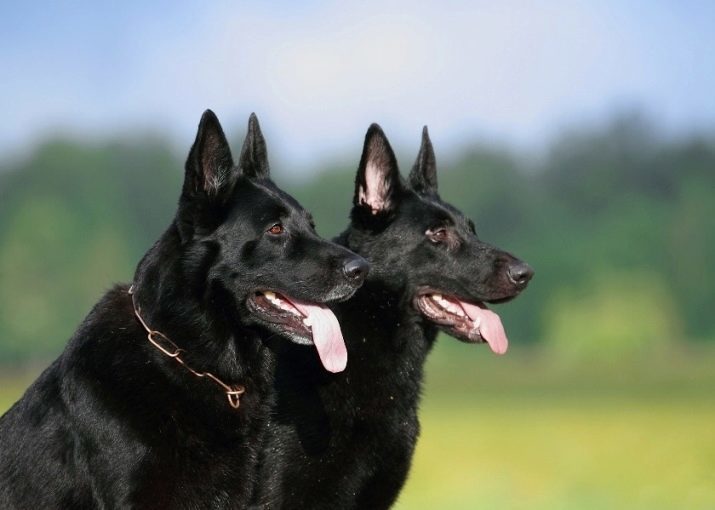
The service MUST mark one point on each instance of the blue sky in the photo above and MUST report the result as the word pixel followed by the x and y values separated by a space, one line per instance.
pixel 318 73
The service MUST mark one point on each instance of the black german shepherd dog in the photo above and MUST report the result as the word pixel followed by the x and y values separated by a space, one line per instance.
pixel 161 397
pixel 346 440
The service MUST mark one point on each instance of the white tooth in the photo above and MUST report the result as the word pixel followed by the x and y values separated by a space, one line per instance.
pixel 476 324
pixel 270 295
pixel 436 297
pixel 307 322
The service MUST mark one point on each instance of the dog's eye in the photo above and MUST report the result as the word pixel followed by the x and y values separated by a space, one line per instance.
pixel 276 229
pixel 437 235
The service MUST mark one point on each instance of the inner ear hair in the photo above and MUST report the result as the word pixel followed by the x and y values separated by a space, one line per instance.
pixel 376 191
pixel 378 176
pixel 216 170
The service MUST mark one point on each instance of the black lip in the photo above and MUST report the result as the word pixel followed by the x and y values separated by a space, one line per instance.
pixel 502 300
pixel 463 296
pixel 349 292
pixel 425 290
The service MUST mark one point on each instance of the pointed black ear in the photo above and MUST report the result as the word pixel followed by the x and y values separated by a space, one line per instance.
pixel 423 177
pixel 209 164
pixel 254 156
pixel 378 179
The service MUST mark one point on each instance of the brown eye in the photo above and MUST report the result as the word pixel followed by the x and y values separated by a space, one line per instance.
pixel 276 229
pixel 437 235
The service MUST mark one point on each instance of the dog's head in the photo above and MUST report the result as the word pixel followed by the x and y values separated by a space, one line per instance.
pixel 428 249
pixel 253 249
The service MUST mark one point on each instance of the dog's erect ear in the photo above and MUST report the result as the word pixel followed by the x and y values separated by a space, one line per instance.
pixel 378 178
pixel 209 165
pixel 423 177
pixel 254 156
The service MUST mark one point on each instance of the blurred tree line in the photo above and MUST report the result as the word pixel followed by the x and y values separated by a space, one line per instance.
pixel 617 220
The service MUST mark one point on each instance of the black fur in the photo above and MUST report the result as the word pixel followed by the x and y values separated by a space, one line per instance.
pixel 113 423
pixel 346 440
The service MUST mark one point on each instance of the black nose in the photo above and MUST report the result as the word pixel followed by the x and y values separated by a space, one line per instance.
pixel 356 269
pixel 520 273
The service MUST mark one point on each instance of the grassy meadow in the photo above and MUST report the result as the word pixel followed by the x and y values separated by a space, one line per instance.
pixel 520 432
pixel 523 431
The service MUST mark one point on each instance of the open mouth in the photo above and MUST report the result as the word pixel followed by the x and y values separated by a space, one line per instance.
pixel 471 322
pixel 308 323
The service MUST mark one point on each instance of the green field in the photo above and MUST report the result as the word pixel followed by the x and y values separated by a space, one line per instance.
pixel 522 432
pixel 555 453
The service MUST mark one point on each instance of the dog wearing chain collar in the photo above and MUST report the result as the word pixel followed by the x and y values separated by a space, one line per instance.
pixel 161 397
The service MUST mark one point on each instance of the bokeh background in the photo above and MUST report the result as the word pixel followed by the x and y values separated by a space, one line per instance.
pixel 580 136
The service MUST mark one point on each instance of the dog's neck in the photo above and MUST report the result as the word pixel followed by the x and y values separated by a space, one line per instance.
pixel 211 342
pixel 167 303
pixel 390 299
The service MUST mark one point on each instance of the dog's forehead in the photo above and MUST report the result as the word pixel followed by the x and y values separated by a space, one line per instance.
pixel 271 198
pixel 266 202
pixel 458 216
pixel 434 210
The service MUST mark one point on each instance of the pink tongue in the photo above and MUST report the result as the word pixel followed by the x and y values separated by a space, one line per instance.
pixel 327 337
pixel 490 327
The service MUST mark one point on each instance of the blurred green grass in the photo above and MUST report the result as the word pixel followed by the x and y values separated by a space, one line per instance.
pixel 525 431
